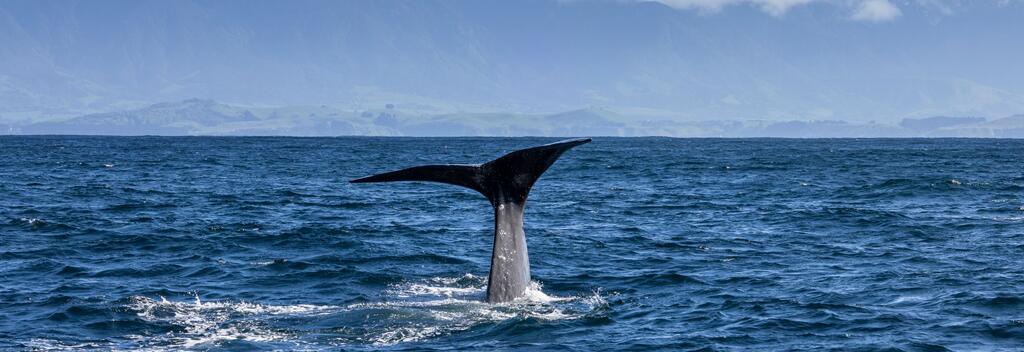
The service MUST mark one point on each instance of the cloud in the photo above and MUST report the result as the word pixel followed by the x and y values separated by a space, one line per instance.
pixel 773 7
pixel 942 6
pixel 876 11
pixel 863 10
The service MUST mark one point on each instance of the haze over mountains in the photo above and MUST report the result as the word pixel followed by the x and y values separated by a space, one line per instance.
pixel 207 117
pixel 507 68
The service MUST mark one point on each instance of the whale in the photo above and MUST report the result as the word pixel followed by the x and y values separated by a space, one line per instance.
pixel 506 183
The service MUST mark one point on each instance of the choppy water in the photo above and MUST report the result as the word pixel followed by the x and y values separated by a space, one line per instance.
pixel 259 243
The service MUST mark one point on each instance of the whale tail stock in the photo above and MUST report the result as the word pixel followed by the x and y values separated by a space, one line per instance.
pixel 506 182
pixel 505 179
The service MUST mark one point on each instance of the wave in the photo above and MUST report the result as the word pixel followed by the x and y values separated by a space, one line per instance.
pixel 209 323
pixel 407 312
pixel 446 305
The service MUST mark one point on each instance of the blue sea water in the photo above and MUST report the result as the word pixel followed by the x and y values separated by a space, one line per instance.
pixel 163 243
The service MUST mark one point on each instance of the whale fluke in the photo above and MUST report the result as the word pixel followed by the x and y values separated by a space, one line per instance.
pixel 459 175
pixel 506 182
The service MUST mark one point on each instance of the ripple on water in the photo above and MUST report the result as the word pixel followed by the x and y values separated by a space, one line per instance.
pixel 700 244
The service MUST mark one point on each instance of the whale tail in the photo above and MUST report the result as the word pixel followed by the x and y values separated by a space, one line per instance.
pixel 505 179
pixel 506 182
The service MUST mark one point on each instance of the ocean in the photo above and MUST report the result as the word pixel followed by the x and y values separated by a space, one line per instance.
pixel 207 243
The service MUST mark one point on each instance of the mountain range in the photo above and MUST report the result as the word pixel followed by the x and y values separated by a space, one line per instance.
pixel 208 117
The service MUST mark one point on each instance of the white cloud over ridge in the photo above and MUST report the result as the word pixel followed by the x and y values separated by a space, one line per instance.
pixel 863 10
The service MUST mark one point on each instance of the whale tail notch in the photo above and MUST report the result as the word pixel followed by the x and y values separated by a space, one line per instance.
pixel 505 179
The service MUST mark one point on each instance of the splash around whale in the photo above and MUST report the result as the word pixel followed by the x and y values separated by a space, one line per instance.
pixel 506 182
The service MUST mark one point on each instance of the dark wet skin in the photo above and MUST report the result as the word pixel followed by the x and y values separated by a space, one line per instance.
pixel 506 182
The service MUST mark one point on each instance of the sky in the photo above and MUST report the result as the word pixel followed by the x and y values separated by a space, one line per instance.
pixel 684 60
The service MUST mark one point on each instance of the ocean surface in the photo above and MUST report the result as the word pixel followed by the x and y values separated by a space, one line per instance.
pixel 163 243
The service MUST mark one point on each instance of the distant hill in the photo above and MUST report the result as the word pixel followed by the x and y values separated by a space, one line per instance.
pixel 208 117
pixel 932 124
pixel 1007 127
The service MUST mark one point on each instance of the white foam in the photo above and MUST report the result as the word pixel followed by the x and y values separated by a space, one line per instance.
pixel 406 334
pixel 596 300
pixel 413 311
pixel 421 289
pixel 211 322
pixel 908 299
pixel 240 307
pixel 55 345
pixel 467 286
pixel 32 221
pixel 534 293
pixel 457 304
